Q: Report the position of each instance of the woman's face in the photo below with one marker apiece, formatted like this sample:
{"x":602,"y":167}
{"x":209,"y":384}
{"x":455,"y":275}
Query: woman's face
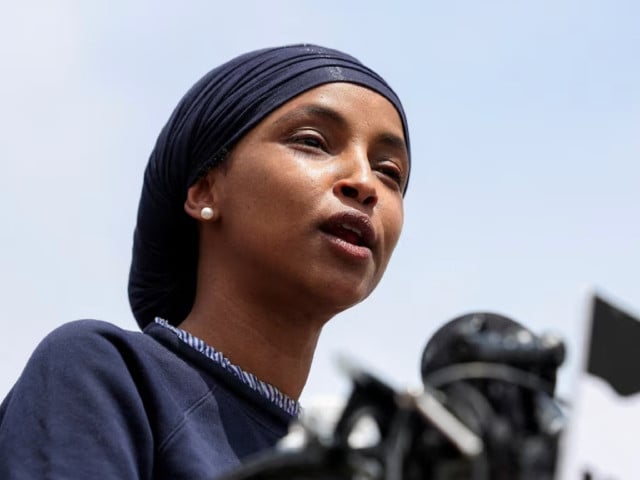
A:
{"x":310,"y":201}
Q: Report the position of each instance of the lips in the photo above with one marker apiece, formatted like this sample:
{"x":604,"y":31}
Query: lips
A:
{"x":351,"y":227}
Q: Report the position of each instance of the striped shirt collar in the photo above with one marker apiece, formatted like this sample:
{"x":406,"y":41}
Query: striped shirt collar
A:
{"x":267,"y":390}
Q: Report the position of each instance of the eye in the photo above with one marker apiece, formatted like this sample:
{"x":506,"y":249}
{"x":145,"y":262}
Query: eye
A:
{"x":392,"y":172}
{"x":309,"y":140}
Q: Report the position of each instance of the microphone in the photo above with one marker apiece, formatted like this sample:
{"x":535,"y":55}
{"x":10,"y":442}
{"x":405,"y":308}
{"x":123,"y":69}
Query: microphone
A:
{"x":499,"y":378}
{"x":486,"y":411}
{"x":492,"y":338}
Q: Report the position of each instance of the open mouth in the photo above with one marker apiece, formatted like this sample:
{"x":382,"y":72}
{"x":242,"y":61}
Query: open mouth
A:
{"x":349,"y":234}
{"x":351,"y":227}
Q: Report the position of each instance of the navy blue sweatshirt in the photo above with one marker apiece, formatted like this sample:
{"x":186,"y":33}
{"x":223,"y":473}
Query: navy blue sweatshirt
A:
{"x":96,"y":401}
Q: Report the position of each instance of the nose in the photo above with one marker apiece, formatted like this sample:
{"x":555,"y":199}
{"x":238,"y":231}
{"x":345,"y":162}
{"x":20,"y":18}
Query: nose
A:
{"x":357,"y":181}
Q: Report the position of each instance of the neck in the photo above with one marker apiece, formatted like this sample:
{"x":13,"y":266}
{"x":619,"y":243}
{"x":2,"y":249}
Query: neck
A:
{"x":275,"y":345}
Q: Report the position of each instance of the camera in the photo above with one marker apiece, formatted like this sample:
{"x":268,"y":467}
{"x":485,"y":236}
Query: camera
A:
{"x":486,"y":410}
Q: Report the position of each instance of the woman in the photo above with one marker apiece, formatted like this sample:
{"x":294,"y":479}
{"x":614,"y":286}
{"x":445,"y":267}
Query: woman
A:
{"x":271,"y":202}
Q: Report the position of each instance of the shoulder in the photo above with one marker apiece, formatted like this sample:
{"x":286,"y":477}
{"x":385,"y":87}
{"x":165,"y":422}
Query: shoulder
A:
{"x":87,"y":330}
{"x":107,"y":361}
{"x":76,"y":352}
{"x":96,"y":337}
{"x":87,"y":368}
{"x":93,"y":353}
{"x":76,"y":410}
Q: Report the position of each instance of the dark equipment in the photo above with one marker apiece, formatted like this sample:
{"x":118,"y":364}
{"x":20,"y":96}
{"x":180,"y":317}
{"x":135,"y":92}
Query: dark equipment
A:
{"x":487,"y":411}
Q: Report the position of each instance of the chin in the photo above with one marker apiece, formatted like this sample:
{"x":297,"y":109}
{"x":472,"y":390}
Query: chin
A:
{"x":345,"y":295}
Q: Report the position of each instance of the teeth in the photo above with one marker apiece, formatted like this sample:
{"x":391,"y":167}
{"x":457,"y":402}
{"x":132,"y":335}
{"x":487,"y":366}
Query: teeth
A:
{"x":352,"y":229}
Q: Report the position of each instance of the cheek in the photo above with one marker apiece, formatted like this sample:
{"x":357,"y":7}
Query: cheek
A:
{"x":393,"y":220}
{"x":278,"y":190}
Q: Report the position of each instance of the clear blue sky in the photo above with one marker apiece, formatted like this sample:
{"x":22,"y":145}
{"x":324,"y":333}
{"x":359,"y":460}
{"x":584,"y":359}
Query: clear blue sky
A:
{"x":524,"y":196}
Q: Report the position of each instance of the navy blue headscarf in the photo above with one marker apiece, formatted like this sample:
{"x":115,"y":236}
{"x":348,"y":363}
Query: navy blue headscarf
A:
{"x":209,"y":120}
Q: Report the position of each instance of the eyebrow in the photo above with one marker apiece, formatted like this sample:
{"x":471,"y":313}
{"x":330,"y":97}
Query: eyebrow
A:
{"x":313,"y":110}
{"x":393,"y":141}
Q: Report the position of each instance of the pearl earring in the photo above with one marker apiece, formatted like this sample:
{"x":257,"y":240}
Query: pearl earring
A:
{"x":206,"y":213}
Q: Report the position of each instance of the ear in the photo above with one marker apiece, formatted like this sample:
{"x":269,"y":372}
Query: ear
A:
{"x":203,"y":194}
